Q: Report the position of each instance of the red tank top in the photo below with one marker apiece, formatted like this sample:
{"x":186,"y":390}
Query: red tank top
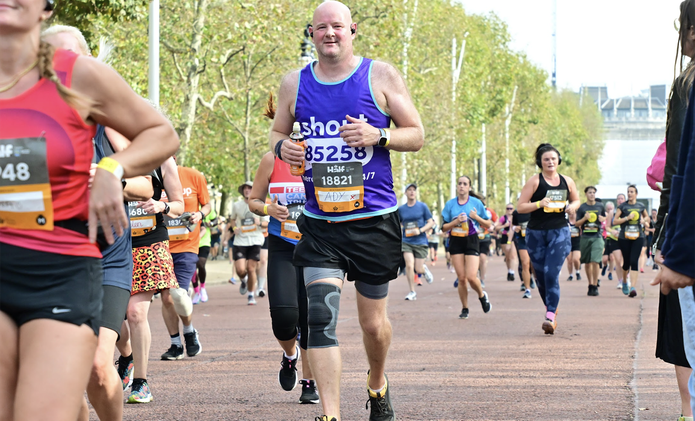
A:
{"x":40,"y":112}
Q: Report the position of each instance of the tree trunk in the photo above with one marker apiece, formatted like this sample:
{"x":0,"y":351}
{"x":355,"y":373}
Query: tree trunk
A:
{"x":247,"y":126}
{"x":223,"y":203}
{"x":192,"y":80}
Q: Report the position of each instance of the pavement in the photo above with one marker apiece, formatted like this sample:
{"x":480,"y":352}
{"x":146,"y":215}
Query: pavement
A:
{"x":599,"y":365}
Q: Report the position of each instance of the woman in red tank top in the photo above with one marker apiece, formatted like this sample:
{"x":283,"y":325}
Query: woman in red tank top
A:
{"x":49,"y":262}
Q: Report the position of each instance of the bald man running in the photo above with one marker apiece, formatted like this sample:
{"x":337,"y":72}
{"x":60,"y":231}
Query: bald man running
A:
{"x":350,"y":226}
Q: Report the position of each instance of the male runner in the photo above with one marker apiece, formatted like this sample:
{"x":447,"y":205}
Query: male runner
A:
{"x":350,"y":226}
{"x":590,"y":215}
{"x":248,"y":239}
{"x":416,"y":220}
{"x":183,"y":244}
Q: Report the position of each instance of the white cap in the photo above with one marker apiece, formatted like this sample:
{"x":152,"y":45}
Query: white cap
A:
{"x":295,"y":127}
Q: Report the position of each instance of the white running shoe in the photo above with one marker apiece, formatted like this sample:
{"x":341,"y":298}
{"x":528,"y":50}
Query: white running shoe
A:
{"x":412,"y":296}
{"x":252,"y":300}
{"x":196,"y":298}
{"x":203,"y":295}
{"x":620,"y":285}
{"x":428,"y":275}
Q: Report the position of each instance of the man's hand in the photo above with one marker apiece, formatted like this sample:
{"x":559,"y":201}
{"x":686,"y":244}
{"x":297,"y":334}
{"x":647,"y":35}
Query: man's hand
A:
{"x":358,"y":134}
{"x":152,"y":206}
{"x":196,"y":217}
{"x":292,"y":153}
{"x":670,"y":279}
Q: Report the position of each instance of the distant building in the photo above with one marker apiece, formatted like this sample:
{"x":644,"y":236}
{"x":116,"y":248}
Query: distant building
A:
{"x":634,"y":127}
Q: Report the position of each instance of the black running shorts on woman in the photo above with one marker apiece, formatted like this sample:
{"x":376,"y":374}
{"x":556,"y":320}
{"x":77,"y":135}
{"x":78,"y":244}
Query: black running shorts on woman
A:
{"x":368,"y":250}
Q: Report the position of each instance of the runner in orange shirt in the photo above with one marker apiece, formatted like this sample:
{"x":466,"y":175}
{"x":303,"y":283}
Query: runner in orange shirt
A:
{"x":184,"y":236}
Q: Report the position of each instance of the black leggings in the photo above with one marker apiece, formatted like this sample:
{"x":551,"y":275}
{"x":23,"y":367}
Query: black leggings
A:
{"x":631,"y":250}
{"x":286,"y":292}
{"x":202,"y":274}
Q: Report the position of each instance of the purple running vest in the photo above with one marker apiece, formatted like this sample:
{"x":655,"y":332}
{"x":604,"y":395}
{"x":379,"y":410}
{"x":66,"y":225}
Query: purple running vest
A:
{"x":321,"y":108}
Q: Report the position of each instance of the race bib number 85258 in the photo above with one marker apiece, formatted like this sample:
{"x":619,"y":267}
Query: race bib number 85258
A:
{"x":25,"y":190}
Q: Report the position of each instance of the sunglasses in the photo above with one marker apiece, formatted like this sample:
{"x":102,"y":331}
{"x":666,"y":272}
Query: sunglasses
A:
{"x":510,"y":208}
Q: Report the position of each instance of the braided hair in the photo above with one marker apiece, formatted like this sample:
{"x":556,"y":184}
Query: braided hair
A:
{"x":46,"y":71}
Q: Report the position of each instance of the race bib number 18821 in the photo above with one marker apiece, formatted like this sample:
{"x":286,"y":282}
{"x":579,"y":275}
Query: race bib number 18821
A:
{"x":339,"y":187}
{"x":25,"y":190}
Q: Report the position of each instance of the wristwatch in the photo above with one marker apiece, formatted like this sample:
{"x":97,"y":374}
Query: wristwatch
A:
{"x":166,"y":208}
{"x":385,"y":137}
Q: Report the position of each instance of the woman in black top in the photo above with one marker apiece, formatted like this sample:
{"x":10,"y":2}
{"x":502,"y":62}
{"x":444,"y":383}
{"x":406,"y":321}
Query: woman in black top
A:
{"x":546,"y":196}
{"x":631,"y":216}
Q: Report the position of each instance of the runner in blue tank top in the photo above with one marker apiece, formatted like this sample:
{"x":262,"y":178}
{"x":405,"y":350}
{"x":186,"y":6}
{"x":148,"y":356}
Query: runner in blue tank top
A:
{"x":350,"y":226}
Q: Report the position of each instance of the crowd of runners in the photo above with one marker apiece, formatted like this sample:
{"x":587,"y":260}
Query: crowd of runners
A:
{"x":99,"y":219}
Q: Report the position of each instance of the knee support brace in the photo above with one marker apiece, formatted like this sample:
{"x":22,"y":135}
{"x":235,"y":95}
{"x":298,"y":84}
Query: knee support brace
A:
{"x":182,"y":302}
{"x":284,"y":321}
{"x":324,"y":304}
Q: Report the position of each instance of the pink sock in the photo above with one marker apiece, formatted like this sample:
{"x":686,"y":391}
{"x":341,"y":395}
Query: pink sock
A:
{"x":550,"y":315}
{"x":197,"y":289}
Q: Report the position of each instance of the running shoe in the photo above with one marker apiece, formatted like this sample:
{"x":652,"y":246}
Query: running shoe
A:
{"x":682,"y":418}
{"x":456,"y":283}
{"x":252,"y":300}
{"x":261,"y":292}
{"x":522,"y":287}
{"x":570,"y":278}
{"x":125,"y":371}
{"x":381,"y":409}
{"x":527,"y":294}
{"x":593,"y":291}
{"x":243,"y":289}
{"x":655,"y":267}
{"x":549,"y":326}
{"x":288,"y":372}
{"x":533,"y":284}
{"x":603,"y":271}
{"x":464,"y":313}
{"x":175,"y":352}
{"x":309,"y":393}
{"x":193,"y":346}
{"x":140,"y":393}
{"x":196,"y":298}
{"x":510,"y":276}
{"x":633,"y":292}
{"x":485,"y":302}
{"x":325,"y":418}
{"x":418,"y":282}
{"x":626,"y":288}
{"x":598,"y":282}
{"x":641,"y":270}
{"x":620,"y":285}
{"x":579,"y":276}
{"x":203,"y":295}
{"x":412,"y":296}
{"x":232,"y":281}
{"x":482,"y":283}
{"x":428,"y":275}
{"x":610,"y":276}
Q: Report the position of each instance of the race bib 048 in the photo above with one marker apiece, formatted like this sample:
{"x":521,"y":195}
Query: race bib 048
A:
{"x":338,"y":187}
{"x":25,"y":189}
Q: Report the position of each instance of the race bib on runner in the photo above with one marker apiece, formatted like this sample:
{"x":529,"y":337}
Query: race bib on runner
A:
{"x":288,"y":229}
{"x":523,"y":228}
{"x":141,"y":222}
{"x":248,"y":225}
{"x":25,"y":190}
{"x":558,"y":201}
{"x":592,"y":223}
{"x":574,"y":232}
{"x":632,"y":232}
{"x":481,"y":236}
{"x":176,"y":228}
{"x":460,"y":230}
{"x":338,"y":187}
{"x":411,"y":229}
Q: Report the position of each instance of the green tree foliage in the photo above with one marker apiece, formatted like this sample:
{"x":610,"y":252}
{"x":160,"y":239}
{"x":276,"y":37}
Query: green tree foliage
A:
{"x":239,"y":51}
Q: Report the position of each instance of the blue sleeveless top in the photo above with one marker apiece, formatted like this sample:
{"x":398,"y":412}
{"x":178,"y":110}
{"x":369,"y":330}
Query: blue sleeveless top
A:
{"x":342,"y":183}
{"x":117,"y":258}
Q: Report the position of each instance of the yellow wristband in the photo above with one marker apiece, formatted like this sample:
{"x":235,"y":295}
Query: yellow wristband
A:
{"x":388,"y":137}
{"x":265,"y":209}
{"x":112,"y":166}
{"x":538,"y":204}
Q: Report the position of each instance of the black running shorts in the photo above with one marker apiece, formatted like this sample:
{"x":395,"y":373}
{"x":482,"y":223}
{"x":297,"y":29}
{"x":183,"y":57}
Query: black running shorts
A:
{"x":246,"y":252}
{"x":470,"y":246}
{"x":368,"y":250}
{"x":203,"y":252}
{"x":576,"y":243}
{"x":114,"y":308}
{"x":39,"y":285}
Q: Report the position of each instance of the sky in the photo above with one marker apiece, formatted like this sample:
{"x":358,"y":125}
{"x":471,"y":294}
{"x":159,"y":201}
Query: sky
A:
{"x":625,"y":45}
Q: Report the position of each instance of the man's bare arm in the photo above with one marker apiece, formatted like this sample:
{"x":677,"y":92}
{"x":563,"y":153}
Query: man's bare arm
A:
{"x":284,"y":118}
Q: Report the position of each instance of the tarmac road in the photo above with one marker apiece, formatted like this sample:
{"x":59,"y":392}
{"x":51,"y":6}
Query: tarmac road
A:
{"x":599,"y":365}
